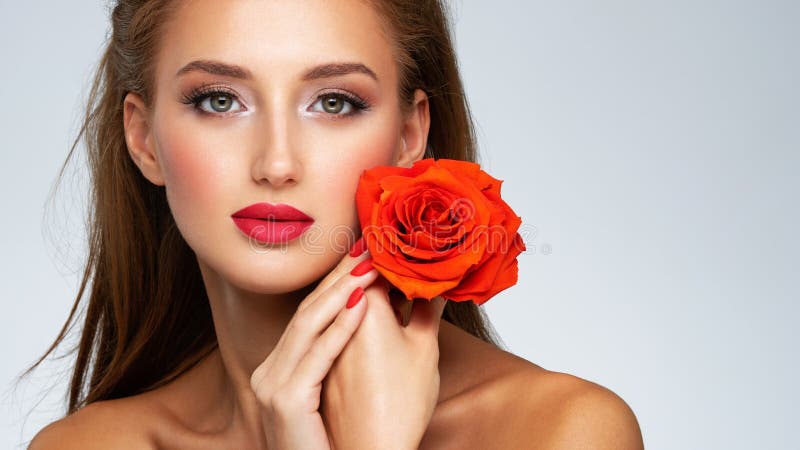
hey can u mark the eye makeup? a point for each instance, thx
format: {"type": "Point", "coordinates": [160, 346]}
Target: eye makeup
{"type": "Point", "coordinates": [197, 97]}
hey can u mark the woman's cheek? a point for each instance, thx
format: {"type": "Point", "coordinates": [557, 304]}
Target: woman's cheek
{"type": "Point", "coordinates": [193, 178]}
{"type": "Point", "coordinates": [343, 154]}
{"type": "Point", "coordinates": [348, 149]}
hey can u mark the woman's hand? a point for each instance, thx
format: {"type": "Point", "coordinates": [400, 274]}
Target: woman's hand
{"type": "Point", "coordinates": [384, 386]}
{"type": "Point", "coordinates": [289, 382]}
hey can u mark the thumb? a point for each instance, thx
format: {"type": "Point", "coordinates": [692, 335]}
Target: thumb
{"type": "Point", "coordinates": [426, 315]}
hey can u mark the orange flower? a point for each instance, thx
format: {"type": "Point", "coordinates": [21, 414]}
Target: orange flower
{"type": "Point", "coordinates": [439, 228]}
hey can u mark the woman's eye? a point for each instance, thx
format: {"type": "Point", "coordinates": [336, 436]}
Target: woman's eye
{"type": "Point", "coordinates": [220, 102]}
{"type": "Point", "coordinates": [338, 104]}
{"type": "Point", "coordinates": [217, 102]}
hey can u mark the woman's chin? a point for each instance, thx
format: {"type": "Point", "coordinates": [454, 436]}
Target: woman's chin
{"type": "Point", "coordinates": [274, 277]}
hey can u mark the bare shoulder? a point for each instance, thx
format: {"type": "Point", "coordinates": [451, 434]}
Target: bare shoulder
{"type": "Point", "coordinates": [100, 425]}
{"type": "Point", "coordinates": [498, 400]}
{"type": "Point", "coordinates": [561, 411]}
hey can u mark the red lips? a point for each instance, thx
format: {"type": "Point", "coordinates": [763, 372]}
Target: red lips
{"type": "Point", "coordinates": [268, 211]}
{"type": "Point", "coordinates": [268, 223]}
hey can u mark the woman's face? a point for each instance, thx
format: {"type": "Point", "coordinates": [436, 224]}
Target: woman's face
{"type": "Point", "coordinates": [251, 106]}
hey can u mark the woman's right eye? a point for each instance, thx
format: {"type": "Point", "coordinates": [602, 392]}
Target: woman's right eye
{"type": "Point", "coordinates": [213, 102]}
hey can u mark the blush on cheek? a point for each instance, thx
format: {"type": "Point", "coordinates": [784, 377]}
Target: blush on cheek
{"type": "Point", "coordinates": [191, 176]}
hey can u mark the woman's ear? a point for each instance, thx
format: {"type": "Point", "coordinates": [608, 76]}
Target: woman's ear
{"type": "Point", "coordinates": [414, 135]}
{"type": "Point", "coordinates": [139, 138]}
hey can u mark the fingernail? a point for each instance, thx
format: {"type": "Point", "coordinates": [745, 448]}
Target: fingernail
{"type": "Point", "coordinates": [358, 247]}
{"type": "Point", "coordinates": [355, 297]}
{"type": "Point", "coordinates": [362, 267]}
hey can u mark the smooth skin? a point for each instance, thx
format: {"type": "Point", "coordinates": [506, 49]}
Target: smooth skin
{"type": "Point", "coordinates": [294, 367]}
{"type": "Point", "coordinates": [289, 382]}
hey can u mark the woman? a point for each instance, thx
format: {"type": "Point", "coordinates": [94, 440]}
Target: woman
{"type": "Point", "coordinates": [201, 334]}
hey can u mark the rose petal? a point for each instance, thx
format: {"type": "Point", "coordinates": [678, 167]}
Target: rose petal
{"type": "Point", "coordinates": [440, 228]}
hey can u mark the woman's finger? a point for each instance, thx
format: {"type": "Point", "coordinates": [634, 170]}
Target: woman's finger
{"type": "Point", "coordinates": [358, 252]}
{"type": "Point", "coordinates": [342, 270]}
{"type": "Point", "coordinates": [381, 310]}
{"type": "Point", "coordinates": [317, 362]}
{"type": "Point", "coordinates": [307, 325]}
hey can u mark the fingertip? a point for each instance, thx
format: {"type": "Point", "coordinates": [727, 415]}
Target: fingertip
{"type": "Point", "coordinates": [356, 297]}
{"type": "Point", "coordinates": [358, 247]}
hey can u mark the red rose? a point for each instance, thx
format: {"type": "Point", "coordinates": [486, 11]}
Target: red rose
{"type": "Point", "coordinates": [439, 228]}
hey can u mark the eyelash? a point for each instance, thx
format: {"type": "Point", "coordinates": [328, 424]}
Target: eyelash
{"type": "Point", "coordinates": [198, 95]}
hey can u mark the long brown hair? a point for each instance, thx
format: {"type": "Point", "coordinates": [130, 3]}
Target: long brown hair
{"type": "Point", "coordinates": [148, 318]}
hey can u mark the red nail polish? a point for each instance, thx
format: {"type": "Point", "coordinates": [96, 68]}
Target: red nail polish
{"type": "Point", "coordinates": [362, 267]}
{"type": "Point", "coordinates": [355, 297]}
{"type": "Point", "coordinates": [358, 247]}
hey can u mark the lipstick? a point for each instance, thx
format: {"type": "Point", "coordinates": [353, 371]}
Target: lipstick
{"type": "Point", "coordinates": [269, 223]}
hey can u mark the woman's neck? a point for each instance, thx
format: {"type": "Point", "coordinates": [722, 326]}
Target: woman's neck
{"type": "Point", "coordinates": [247, 326]}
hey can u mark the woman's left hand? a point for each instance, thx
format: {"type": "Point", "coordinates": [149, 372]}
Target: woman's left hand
{"type": "Point", "coordinates": [383, 387]}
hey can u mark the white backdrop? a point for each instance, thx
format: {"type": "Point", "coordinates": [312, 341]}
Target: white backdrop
{"type": "Point", "coordinates": [651, 149]}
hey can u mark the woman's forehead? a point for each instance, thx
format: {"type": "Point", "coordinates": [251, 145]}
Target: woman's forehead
{"type": "Point", "coordinates": [276, 38]}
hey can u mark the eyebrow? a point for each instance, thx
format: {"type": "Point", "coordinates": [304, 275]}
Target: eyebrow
{"type": "Point", "coordinates": [328, 70]}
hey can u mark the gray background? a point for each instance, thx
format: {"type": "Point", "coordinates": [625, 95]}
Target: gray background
{"type": "Point", "coordinates": [650, 147]}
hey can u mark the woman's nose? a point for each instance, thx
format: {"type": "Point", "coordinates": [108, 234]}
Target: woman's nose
{"type": "Point", "coordinates": [276, 161]}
